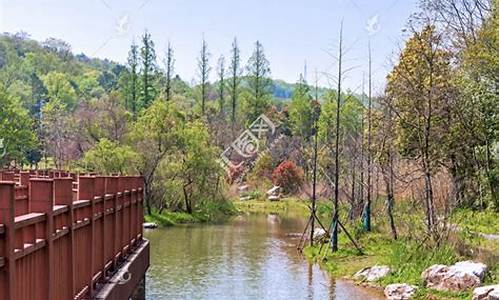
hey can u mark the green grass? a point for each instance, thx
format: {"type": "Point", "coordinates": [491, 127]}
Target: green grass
{"type": "Point", "coordinates": [205, 211]}
{"type": "Point", "coordinates": [407, 258]}
{"type": "Point", "coordinates": [485, 221]}
{"type": "Point", "coordinates": [265, 206]}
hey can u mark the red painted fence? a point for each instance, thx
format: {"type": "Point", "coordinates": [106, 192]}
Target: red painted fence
{"type": "Point", "coordinates": [62, 235]}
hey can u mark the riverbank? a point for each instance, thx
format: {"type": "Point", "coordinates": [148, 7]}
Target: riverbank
{"type": "Point", "coordinates": [206, 212]}
{"type": "Point", "coordinates": [471, 235]}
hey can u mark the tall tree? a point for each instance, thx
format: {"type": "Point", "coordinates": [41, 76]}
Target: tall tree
{"type": "Point", "coordinates": [235, 73]}
{"type": "Point", "coordinates": [421, 88]}
{"type": "Point", "coordinates": [259, 82]}
{"type": "Point", "coordinates": [169, 70]}
{"type": "Point", "coordinates": [334, 239]}
{"type": "Point", "coordinates": [148, 69]}
{"type": "Point", "coordinates": [222, 82]}
{"type": "Point", "coordinates": [367, 213]}
{"type": "Point", "coordinates": [203, 73]}
{"type": "Point", "coordinates": [132, 84]}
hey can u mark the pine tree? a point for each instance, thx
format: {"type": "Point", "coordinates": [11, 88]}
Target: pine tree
{"type": "Point", "coordinates": [259, 82]}
{"type": "Point", "coordinates": [221, 86]}
{"type": "Point", "coordinates": [148, 60]}
{"type": "Point", "coordinates": [235, 80]}
{"type": "Point", "coordinates": [169, 69]}
{"type": "Point", "coordinates": [132, 62]}
{"type": "Point", "coordinates": [204, 71]}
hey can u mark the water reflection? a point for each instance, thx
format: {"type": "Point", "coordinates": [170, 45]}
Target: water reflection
{"type": "Point", "coordinates": [251, 257]}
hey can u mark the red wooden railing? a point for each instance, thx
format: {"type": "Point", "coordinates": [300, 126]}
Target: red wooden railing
{"type": "Point", "coordinates": [62, 235]}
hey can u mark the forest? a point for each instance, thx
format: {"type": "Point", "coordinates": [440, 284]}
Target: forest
{"type": "Point", "coordinates": [405, 163]}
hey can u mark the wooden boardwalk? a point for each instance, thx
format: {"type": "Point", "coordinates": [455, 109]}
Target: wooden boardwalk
{"type": "Point", "coordinates": [63, 236]}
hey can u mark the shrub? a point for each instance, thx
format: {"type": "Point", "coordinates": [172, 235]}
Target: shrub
{"type": "Point", "coordinates": [288, 176]}
{"type": "Point", "coordinates": [263, 168]}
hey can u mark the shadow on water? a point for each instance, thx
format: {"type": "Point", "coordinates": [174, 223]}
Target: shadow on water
{"type": "Point", "coordinates": [250, 257]}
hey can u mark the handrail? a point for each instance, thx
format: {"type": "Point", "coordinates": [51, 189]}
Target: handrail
{"type": "Point", "coordinates": [63, 234]}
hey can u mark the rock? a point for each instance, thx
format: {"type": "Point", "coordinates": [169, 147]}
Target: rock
{"type": "Point", "coordinates": [245, 198]}
{"type": "Point", "coordinates": [274, 198]}
{"type": "Point", "coordinates": [458, 277]}
{"type": "Point", "coordinates": [372, 274]}
{"type": "Point", "coordinates": [486, 292]}
{"type": "Point", "coordinates": [274, 190]}
{"type": "Point", "coordinates": [399, 291]}
{"type": "Point", "coordinates": [319, 233]}
{"type": "Point", "coordinates": [488, 236]}
{"type": "Point", "coordinates": [151, 225]}
{"type": "Point", "coordinates": [434, 274]}
{"type": "Point", "coordinates": [243, 188]}
{"type": "Point", "coordinates": [471, 268]}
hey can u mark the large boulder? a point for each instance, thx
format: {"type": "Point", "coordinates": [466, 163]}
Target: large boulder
{"type": "Point", "coordinates": [458, 277]}
{"type": "Point", "coordinates": [399, 291]}
{"type": "Point", "coordinates": [470, 267]}
{"type": "Point", "coordinates": [372, 273]}
{"type": "Point", "coordinates": [489, 292]}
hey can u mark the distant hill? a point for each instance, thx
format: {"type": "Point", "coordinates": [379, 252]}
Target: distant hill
{"type": "Point", "coordinates": [24, 63]}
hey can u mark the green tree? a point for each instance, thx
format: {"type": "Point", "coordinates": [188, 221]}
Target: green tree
{"type": "Point", "coordinates": [301, 110]}
{"type": "Point", "coordinates": [169, 71]}
{"type": "Point", "coordinates": [132, 79]}
{"type": "Point", "coordinates": [60, 89]}
{"type": "Point", "coordinates": [108, 157]}
{"type": "Point", "coordinates": [420, 88]}
{"type": "Point", "coordinates": [148, 70]}
{"type": "Point", "coordinates": [259, 83]}
{"type": "Point", "coordinates": [152, 137]}
{"type": "Point", "coordinates": [16, 129]}
{"type": "Point", "coordinates": [193, 166]}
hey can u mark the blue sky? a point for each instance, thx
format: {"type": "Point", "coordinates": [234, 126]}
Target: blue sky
{"type": "Point", "coordinates": [292, 32]}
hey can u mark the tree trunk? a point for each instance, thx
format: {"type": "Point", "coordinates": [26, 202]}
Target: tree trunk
{"type": "Point", "coordinates": [189, 210]}
{"type": "Point", "coordinates": [147, 195]}
{"type": "Point", "coordinates": [390, 197]}
{"type": "Point", "coordinates": [429, 201]}
{"type": "Point", "coordinates": [492, 176]}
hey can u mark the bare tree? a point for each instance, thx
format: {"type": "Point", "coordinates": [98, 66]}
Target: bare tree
{"type": "Point", "coordinates": [221, 85]}
{"type": "Point", "coordinates": [204, 71]}
{"type": "Point", "coordinates": [235, 73]}
{"type": "Point", "coordinates": [169, 70]}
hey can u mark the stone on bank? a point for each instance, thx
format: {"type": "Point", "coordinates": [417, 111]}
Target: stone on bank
{"type": "Point", "coordinates": [458, 277]}
{"type": "Point", "coordinates": [372, 273]}
{"type": "Point", "coordinates": [489, 292]}
{"type": "Point", "coordinates": [399, 291]}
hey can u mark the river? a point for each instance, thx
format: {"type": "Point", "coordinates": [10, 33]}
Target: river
{"type": "Point", "coordinates": [249, 257]}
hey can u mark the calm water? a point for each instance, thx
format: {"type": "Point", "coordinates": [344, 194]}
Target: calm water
{"type": "Point", "coordinates": [250, 257]}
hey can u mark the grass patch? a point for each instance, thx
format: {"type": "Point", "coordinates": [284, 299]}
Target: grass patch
{"type": "Point", "coordinates": [264, 206]}
{"type": "Point", "coordinates": [485, 221]}
{"type": "Point", "coordinates": [205, 211]}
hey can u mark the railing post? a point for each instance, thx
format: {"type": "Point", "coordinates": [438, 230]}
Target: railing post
{"type": "Point", "coordinates": [100, 191]}
{"type": "Point", "coordinates": [7, 272]}
{"type": "Point", "coordinates": [63, 195]}
{"type": "Point", "coordinates": [86, 191]}
{"type": "Point", "coordinates": [111, 186]}
{"type": "Point", "coordinates": [24, 178]}
{"type": "Point", "coordinates": [41, 200]}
